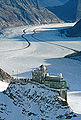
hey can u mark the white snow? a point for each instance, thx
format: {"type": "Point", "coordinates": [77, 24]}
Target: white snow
{"type": "Point", "coordinates": [74, 99]}
{"type": "Point", "coordinates": [8, 110]}
{"type": "Point", "coordinates": [3, 86]}
{"type": "Point", "coordinates": [46, 51]}
{"type": "Point", "coordinates": [32, 102]}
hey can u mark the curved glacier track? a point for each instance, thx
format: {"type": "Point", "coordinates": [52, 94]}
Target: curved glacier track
{"type": "Point", "coordinates": [25, 39]}
{"type": "Point", "coordinates": [37, 39]}
{"type": "Point", "coordinates": [25, 47]}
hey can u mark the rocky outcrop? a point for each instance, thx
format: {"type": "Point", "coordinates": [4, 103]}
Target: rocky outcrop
{"type": "Point", "coordinates": [5, 76]}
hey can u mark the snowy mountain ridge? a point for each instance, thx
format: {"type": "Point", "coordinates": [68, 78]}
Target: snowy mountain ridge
{"type": "Point", "coordinates": [32, 101]}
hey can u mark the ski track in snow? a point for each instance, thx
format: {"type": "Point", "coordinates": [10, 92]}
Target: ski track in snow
{"type": "Point", "coordinates": [42, 53]}
{"type": "Point", "coordinates": [26, 39]}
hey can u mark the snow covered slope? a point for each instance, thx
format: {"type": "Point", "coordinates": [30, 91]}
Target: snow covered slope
{"type": "Point", "coordinates": [33, 102]}
{"type": "Point", "coordinates": [3, 86]}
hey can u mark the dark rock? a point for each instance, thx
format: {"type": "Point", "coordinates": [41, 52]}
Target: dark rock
{"type": "Point", "coordinates": [5, 76]}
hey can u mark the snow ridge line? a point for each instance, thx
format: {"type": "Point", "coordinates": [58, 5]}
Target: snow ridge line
{"type": "Point", "coordinates": [34, 32]}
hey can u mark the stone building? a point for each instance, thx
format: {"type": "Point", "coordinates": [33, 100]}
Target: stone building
{"type": "Point", "coordinates": [53, 81]}
{"type": "Point", "coordinates": [41, 75]}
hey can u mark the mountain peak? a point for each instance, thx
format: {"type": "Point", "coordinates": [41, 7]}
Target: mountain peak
{"type": "Point", "coordinates": [5, 76]}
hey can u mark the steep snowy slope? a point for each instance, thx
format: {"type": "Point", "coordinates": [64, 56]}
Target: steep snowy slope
{"type": "Point", "coordinates": [33, 102]}
{"type": "Point", "coordinates": [3, 86]}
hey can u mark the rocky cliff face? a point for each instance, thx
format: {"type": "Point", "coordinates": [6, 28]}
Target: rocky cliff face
{"type": "Point", "coordinates": [5, 76]}
{"type": "Point", "coordinates": [22, 12]}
